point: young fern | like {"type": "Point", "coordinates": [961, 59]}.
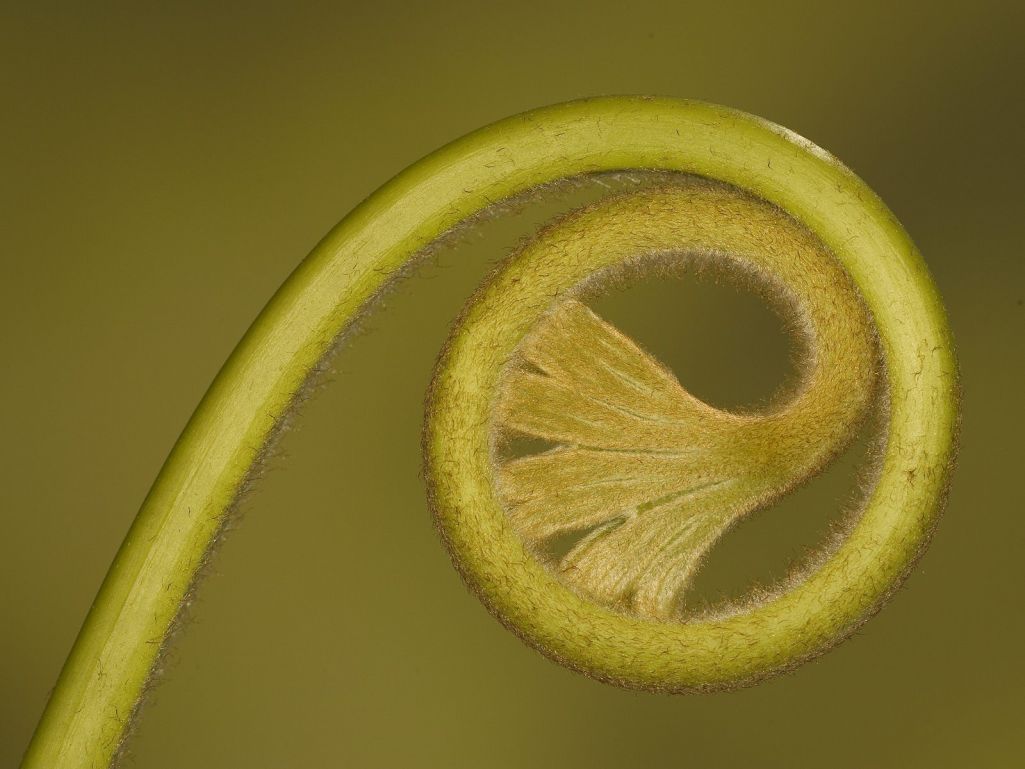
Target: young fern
{"type": "Point", "coordinates": [654, 475]}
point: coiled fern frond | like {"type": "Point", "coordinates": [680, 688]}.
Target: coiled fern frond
{"type": "Point", "coordinates": [648, 475]}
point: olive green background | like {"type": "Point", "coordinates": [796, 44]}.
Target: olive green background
{"type": "Point", "coordinates": [163, 169]}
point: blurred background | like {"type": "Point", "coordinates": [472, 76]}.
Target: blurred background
{"type": "Point", "coordinates": [162, 170]}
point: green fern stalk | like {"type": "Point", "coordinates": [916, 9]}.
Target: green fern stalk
{"type": "Point", "coordinates": [104, 678]}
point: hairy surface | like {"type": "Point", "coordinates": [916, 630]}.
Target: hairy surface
{"type": "Point", "coordinates": [211, 464]}
{"type": "Point", "coordinates": [645, 475]}
{"type": "Point", "coordinates": [649, 475]}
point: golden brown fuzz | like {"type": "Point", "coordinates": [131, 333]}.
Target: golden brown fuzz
{"type": "Point", "coordinates": [646, 473]}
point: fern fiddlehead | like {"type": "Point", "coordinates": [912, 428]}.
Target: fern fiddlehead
{"type": "Point", "coordinates": [655, 474]}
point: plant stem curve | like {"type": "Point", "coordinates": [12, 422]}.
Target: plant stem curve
{"type": "Point", "coordinates": [100, 686]}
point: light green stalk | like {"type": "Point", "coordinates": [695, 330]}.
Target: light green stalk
{"type": "Point", "coordinates": [101, 684]}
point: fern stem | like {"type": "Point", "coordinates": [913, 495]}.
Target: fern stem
{"type": "Point", "coordinates": [113, 657]}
